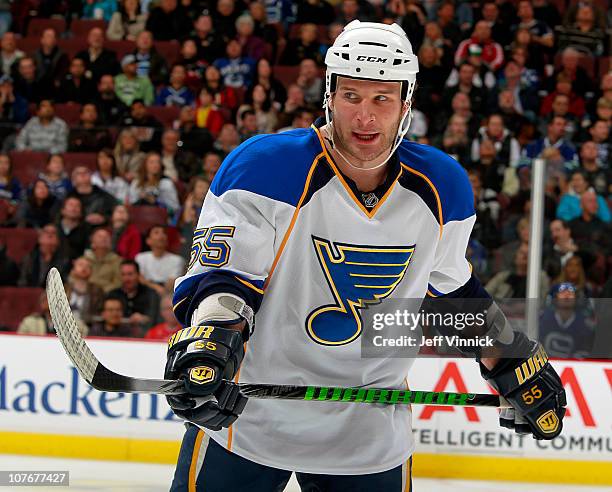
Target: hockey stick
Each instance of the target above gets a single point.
(103, 379)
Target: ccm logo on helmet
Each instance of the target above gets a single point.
(374, 59)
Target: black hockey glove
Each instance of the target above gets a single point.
(206, 358)
(532, 387)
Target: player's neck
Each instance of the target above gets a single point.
(366, 180)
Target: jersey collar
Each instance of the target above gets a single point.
(381, 192)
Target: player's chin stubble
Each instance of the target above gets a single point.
(342, 138)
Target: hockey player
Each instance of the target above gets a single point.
(297, 230)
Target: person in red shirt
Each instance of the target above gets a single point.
(564, 86)
(492, 52)
(169, 326)
(127, 241)
(208, 114)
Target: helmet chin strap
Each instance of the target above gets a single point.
(334, 147)
(401, 131)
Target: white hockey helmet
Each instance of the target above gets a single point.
(373, 51)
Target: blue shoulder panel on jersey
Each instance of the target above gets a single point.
(275, 166)
(446, 175)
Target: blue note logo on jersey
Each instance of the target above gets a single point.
(357, 275)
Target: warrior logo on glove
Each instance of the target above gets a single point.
(531, 366)
(201, 374)
(548, 422)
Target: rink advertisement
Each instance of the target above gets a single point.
(44, 402)
(586, 434)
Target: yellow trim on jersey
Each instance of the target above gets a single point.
(431, 185)
(230, 436)
(359, 263)
(372, 276)
(361, 286)
(179, 303)
(293, 218)
(457, 466)
(194, 461)
(369, 213)
(249, 285)
(430, 293)
(408, 486)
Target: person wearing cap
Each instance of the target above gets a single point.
(300, 231)
(130, 86)
(483, 76)
(565, 329)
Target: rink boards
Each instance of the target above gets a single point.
(46, 409)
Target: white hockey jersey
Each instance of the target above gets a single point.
(286, 230)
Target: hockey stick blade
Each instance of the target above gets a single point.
(103, 379)
(89, 367)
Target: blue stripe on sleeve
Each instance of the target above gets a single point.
(191, 291)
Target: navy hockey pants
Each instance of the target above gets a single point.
(205, 466)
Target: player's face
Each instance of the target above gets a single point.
(366, 115)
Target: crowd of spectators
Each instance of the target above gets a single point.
(501, 83)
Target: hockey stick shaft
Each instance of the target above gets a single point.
(103, 379)
(370, 395)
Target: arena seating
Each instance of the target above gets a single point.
(524, 125)
(19, 241)
(79, 28)
(16, 303)
(38, 25)
(144, 216)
